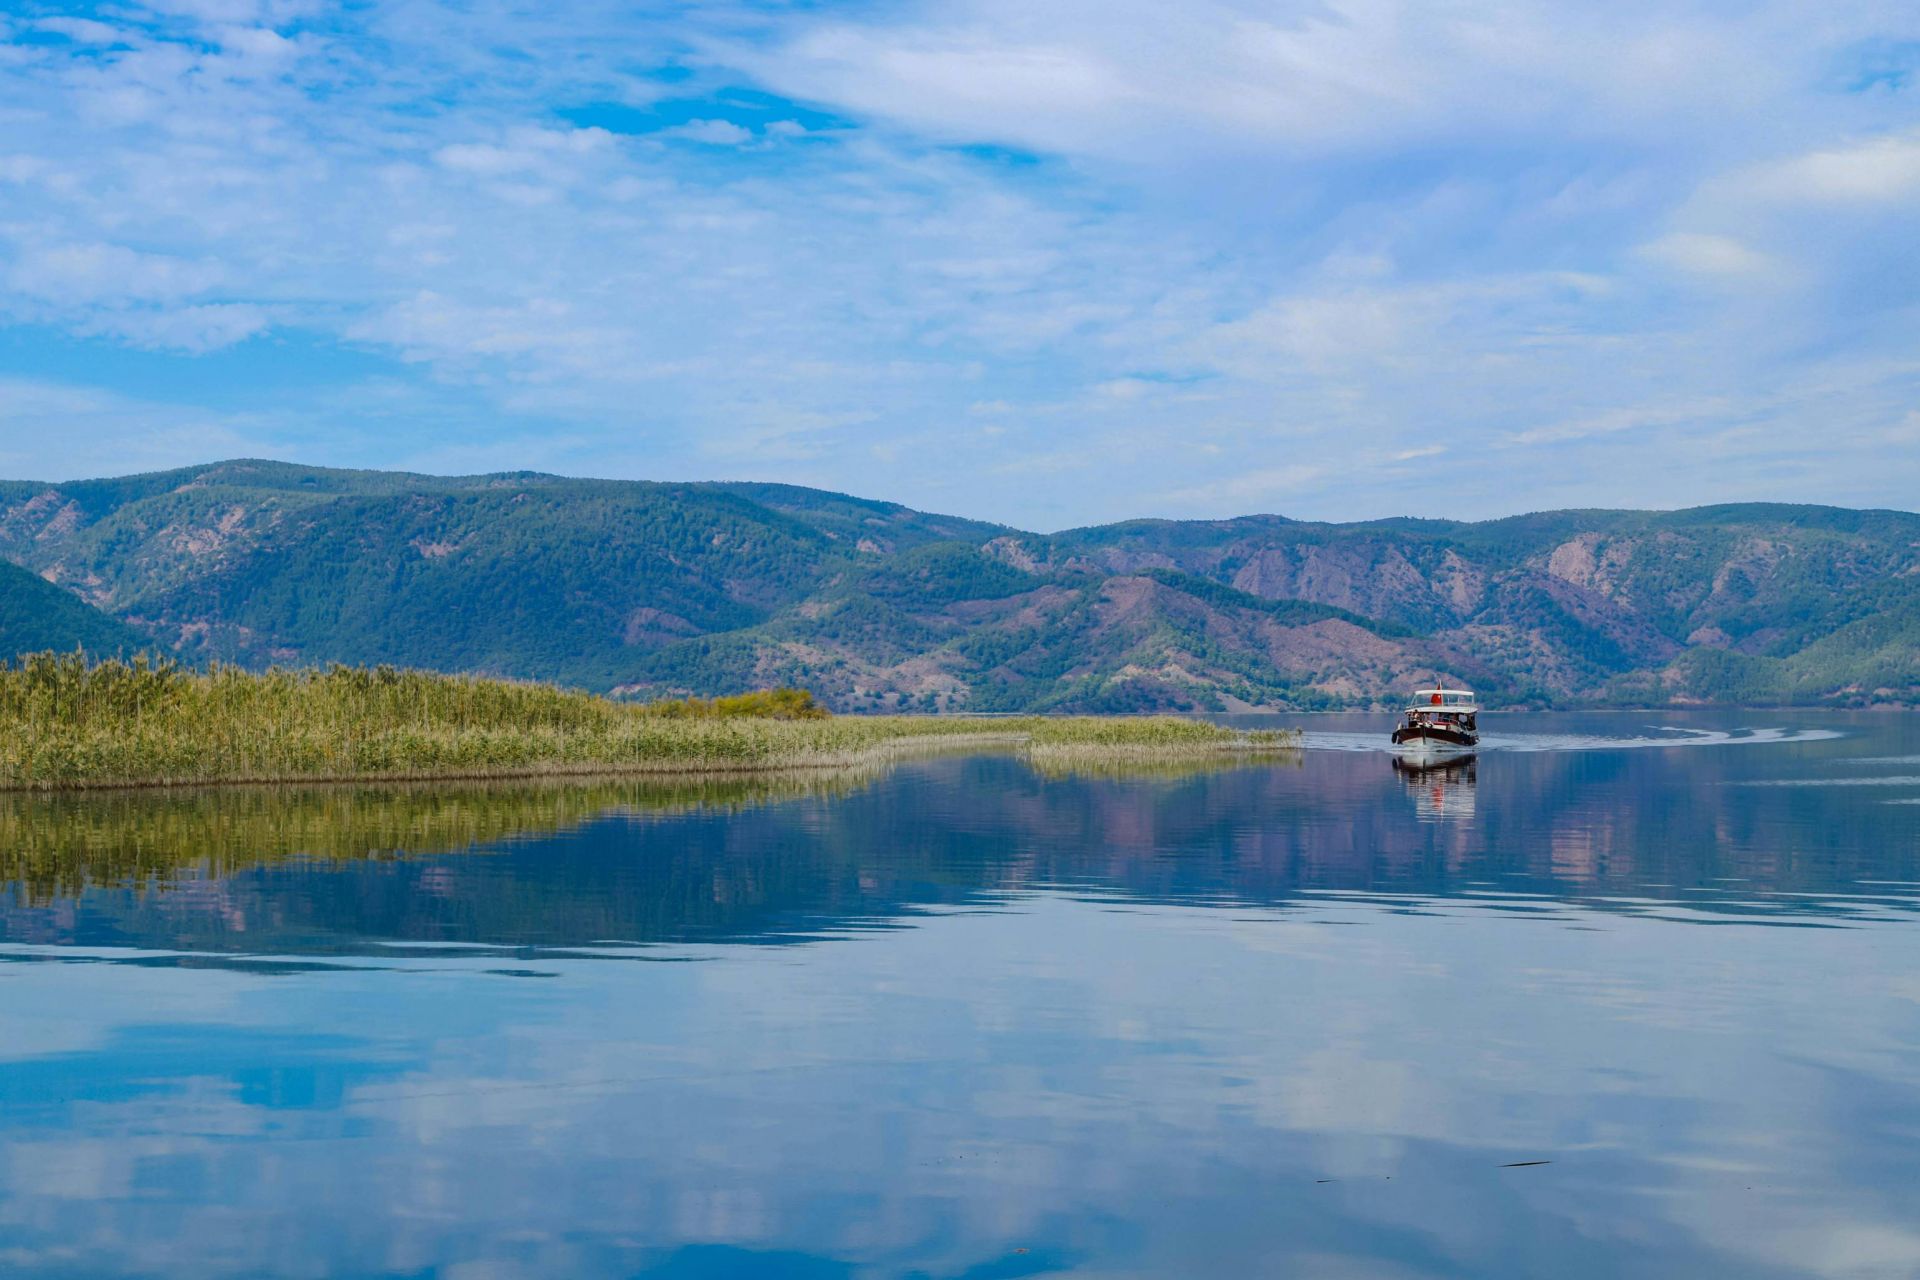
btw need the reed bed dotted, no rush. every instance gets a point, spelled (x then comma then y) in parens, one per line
(67, 723)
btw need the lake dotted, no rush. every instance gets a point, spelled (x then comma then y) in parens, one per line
(1627, 995)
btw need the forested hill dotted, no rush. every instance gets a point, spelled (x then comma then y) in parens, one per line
(36, 615)
(647, 587)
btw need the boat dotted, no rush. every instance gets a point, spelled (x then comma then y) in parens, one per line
(1437, 723)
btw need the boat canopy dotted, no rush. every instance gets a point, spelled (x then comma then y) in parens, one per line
(1442, 699)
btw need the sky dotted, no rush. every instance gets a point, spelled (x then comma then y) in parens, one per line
(1049, 264)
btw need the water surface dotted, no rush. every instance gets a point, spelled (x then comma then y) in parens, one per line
(1623, 996)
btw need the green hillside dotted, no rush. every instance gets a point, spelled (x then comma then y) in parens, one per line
(36, 615)
(654, 588)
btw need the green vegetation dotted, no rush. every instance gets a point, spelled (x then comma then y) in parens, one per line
(1156, 746)
(1293, 613)
(670, 590)
(65, 723)
(1872, 661)
(36, 614)
(764, 704)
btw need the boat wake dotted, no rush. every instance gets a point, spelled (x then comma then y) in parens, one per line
(1315, 740)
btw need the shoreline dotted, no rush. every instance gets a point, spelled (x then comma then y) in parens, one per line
(1230, 744)
(559, 771)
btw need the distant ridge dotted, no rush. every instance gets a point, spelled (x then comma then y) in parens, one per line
(647, 587)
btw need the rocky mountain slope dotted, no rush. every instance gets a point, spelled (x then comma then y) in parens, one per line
(647, 588)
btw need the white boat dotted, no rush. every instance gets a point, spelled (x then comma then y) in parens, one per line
(1438, 723)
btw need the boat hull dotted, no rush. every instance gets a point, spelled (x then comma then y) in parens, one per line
(1426, 743)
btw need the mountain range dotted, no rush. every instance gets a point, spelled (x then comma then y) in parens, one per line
(644, 588)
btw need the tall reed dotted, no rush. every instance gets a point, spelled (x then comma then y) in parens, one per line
(65, 722)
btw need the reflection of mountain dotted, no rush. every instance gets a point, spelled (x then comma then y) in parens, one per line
(566, 866)
(1442, 790)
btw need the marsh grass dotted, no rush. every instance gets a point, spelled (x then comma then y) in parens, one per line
(1155, 746)
(67, 723)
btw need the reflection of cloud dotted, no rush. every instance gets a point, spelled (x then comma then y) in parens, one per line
(984, 1081)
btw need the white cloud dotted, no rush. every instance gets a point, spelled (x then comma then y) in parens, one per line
(100, 272)
(236, 11)
(22, 168)
(522, 151)
(1252, 235)
(1356, 328)
(1702, 253)
(1870, 172)
(1339, 328)
(1134, 79)
(83, 30)
(51, 431)
(720, 133)
(1267, 489)
(191, 329)
(257, 42)
(1628, 418)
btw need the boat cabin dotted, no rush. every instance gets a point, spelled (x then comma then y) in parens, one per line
(1443, 708)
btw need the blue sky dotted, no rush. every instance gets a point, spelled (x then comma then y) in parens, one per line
(1048, 264)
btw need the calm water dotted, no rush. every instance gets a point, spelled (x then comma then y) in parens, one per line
(1609, 1001)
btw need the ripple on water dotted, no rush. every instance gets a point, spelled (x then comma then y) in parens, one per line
(1327, 740)
(1870, 781)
